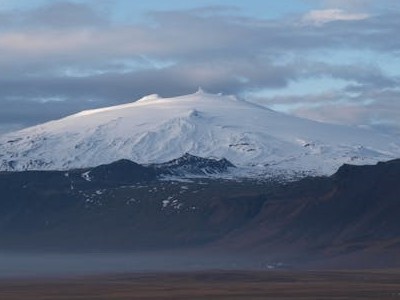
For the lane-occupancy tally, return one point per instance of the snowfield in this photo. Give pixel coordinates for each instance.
(155, 130)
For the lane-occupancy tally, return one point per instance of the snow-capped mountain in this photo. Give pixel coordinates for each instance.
(155, 130)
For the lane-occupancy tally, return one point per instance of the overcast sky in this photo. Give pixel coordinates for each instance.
(330, 60)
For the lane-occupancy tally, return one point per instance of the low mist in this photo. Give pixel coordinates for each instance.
(28, 265)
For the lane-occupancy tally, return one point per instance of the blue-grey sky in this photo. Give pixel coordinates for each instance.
(329, 60)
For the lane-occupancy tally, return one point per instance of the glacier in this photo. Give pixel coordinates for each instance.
(152, 130)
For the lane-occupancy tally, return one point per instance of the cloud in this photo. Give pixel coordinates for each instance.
(350, 4)
(358, 5)
(369, 107)
(65, 57)
(320, 17)
(371, 115)
(57, 14)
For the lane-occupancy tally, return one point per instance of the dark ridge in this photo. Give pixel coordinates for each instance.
(121, 171)
(349, 218)
(193, 165)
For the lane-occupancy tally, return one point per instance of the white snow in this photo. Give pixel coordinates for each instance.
(86, 176)
(155, 130)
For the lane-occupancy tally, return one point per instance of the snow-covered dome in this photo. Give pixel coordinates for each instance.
(155, 129)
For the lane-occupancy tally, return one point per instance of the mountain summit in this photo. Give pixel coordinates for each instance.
(156, 130)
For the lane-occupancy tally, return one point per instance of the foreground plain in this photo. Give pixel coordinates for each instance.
(382, 284)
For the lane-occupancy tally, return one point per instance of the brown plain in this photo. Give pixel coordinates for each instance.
(238, 285)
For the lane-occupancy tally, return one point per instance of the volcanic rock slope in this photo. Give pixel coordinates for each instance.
(156, 130)
(351, 217)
